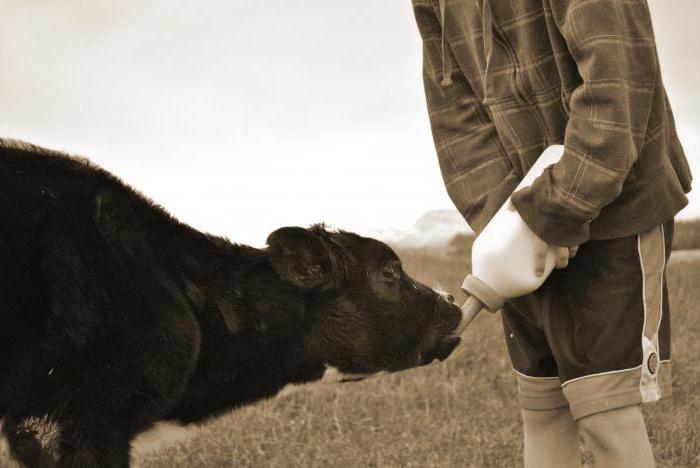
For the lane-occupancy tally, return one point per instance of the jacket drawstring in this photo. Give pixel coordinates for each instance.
(446, 56)
(487, 32)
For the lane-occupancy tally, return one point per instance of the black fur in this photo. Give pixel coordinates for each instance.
(115, 315)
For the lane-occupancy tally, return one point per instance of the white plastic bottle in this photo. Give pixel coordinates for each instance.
(503, 255)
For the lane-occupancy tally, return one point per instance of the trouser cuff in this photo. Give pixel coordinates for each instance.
(540, 393)
(603, 392)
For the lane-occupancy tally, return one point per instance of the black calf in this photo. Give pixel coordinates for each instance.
(115, 315)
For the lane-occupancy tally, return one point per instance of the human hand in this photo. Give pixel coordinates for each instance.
(562, 254)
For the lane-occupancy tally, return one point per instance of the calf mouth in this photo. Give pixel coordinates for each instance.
(441, 351)
(449, 338)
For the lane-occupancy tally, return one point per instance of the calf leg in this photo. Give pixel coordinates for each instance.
(106, 446)
(33, 441)
(73, 423)
(47, 442)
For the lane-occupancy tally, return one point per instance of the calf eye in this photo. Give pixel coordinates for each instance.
(392, 270)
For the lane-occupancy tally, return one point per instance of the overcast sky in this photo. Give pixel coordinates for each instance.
(240, 117)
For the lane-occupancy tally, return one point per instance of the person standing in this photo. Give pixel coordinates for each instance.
(503, 81)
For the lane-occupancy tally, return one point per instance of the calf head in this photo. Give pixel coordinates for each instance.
(368, 315)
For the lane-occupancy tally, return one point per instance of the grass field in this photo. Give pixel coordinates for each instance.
(459, 413)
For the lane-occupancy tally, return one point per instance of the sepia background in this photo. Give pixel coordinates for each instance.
(241, 116)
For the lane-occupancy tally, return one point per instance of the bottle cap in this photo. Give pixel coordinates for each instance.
(482, 291)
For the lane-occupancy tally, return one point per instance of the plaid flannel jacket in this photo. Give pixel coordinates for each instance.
(504, 79)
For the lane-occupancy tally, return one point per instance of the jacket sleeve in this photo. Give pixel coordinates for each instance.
(613, 45)
(474, 166)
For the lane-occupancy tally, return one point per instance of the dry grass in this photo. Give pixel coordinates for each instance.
(460, 413)
(686, 235)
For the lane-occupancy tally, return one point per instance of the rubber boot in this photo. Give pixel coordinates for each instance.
(551, 439)
(618, 438)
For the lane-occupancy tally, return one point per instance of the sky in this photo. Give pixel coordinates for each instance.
(241, 117)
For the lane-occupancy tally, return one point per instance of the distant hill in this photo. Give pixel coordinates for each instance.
(435, 228)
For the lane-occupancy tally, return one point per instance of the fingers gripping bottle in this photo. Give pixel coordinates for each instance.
(504, 256)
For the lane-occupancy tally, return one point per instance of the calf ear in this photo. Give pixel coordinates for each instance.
(300, 257)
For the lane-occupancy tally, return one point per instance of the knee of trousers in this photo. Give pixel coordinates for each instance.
(540, 393)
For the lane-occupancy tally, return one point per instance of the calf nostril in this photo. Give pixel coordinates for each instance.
(450, 298)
